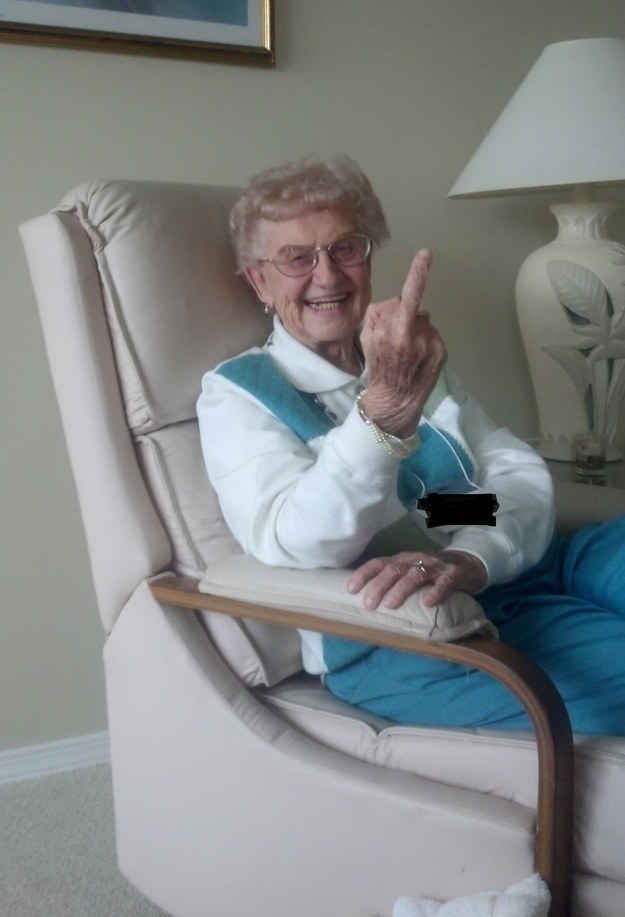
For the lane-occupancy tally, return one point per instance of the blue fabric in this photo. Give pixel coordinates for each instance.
(258, 374)
(567, 613)
(439, 465)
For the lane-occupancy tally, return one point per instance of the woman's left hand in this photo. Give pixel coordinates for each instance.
(393, 579)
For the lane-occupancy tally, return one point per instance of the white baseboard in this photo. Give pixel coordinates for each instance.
(34, 761)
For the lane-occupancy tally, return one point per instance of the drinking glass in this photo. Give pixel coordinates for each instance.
(589, 455)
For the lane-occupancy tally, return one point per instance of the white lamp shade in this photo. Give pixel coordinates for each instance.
(564, 126)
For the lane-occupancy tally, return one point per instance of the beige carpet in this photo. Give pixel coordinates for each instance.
(57, 856)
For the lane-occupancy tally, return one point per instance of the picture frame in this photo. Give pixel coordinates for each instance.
(226, 31)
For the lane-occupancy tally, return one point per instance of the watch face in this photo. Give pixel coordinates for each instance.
(409, 441)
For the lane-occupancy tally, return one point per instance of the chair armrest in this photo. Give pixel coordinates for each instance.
(552, 855)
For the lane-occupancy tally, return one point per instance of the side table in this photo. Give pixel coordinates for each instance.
(565, 471)
(578, 503)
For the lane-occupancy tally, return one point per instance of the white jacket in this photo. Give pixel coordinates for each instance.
(319, 503)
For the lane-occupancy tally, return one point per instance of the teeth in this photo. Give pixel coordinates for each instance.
(323, 306)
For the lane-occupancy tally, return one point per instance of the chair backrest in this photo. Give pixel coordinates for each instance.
(138, 298)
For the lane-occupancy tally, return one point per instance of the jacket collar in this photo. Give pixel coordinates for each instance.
(305, 369)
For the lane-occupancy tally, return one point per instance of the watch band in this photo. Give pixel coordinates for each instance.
(394, 445)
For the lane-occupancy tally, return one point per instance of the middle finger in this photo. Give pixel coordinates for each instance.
(414, 285)
(380, 584)
(414, 578)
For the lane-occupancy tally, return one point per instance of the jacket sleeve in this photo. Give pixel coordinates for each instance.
(508, 467)
(285, 502)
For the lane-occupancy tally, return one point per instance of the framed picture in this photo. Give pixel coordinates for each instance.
(232, 31)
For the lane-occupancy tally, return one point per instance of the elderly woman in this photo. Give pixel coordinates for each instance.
(320, 443)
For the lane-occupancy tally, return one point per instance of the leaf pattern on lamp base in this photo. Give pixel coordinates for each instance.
(596, 364)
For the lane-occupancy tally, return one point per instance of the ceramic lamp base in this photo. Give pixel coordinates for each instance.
(571, 308)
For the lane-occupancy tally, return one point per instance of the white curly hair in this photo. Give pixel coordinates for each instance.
(294, 188)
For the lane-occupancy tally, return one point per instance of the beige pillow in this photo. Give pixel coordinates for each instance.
(174, 302)
(323, 593)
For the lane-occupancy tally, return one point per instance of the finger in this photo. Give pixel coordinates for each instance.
(414, 285)
(412, 557)
(371, 316)
(380, 585)
(371, 324)
(431, 367)
(363, 574)
(443, 586)
(411, 582)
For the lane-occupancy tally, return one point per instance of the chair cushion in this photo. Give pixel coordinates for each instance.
(494, 762)
(175, 308)
(172, 462)
(174, 303)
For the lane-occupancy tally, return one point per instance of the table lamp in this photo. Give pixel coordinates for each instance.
(564, 129)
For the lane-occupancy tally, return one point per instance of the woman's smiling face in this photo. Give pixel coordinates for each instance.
(324, 307)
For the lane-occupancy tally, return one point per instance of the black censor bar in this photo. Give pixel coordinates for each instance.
(459, 509)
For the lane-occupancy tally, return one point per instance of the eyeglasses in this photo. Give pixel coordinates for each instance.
(298, 260)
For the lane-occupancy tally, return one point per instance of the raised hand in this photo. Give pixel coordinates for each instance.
(404, 353)
(392, 580)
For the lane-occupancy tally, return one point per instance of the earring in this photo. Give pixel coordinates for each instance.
(268, 309)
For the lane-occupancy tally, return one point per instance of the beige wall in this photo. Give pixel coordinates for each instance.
(408, 88)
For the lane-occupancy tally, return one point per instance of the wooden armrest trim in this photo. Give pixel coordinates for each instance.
(544, 706)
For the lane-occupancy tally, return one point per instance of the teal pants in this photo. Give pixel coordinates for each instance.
(567, 613)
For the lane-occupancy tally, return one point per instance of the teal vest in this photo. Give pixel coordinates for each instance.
(439, 465)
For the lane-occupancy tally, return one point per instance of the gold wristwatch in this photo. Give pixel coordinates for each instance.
(398, 448)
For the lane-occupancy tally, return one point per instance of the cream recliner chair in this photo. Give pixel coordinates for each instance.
(241, 786)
